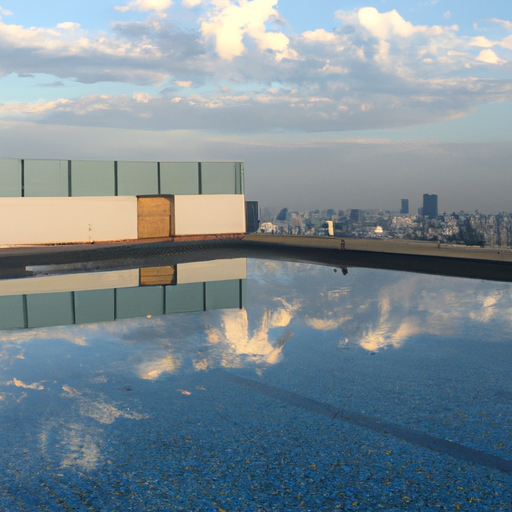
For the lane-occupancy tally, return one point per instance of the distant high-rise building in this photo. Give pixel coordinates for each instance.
(405, 206)
(251, 216)
(354, 215)
(430, 205)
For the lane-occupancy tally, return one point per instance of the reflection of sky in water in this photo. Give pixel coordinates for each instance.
(375, 310)
(72, 385)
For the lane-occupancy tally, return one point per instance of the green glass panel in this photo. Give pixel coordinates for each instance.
(179, 178)
(90, 178)
(137, 302)
(94, 306)
(46, 178)
(137, 178)
(239, 178)
(10, 178)
(218, 178)
(243, 293)
(223, 294)
(11, 312)
(47, 309)
(184, 298)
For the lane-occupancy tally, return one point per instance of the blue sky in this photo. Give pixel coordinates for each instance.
(417, 84)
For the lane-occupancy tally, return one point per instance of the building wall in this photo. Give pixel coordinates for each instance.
(35, 220)
(430, 205)
(208, 214)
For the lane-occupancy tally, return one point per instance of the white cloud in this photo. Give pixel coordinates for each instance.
(68, 25)
(319, 35)
(145, 5)
(388, 24)
(375, 70)
(229, 22)
(4, 12)
(489, 57)
(504, 23)
(191, 3)
(482, 42)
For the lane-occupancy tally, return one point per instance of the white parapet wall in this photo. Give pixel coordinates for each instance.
(47, 220)
(214, 214)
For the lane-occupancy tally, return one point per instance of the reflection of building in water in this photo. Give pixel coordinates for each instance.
(107, 296)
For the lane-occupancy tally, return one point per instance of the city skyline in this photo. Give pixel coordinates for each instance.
(357, 103)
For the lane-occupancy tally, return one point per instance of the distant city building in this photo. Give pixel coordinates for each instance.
(354, 215)
(405, 206)
(268, 227)
(430, 205)
(251, 216)
(420, 210)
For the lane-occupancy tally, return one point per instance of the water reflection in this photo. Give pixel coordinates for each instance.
(48, 300)
(78, 380)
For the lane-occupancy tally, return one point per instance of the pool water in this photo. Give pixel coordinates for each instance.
(375, 390)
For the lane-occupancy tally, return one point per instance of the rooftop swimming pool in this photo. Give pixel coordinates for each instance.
(254, 385)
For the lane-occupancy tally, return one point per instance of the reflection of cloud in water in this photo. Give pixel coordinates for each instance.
(322, 324)
(20, 384)
(97, 408)
(387, 334)
(151, 370)
(229, 342)
(410, 306)
(82, 448)
(68, 333)
(240, 346)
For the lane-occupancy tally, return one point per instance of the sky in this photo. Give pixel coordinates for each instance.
(330, 104)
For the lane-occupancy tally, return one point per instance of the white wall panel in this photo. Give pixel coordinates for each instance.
(31, 220)
(215, 270)
(70, 282)
(209, 214)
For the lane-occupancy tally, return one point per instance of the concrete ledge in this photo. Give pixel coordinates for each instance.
(416, 248)
(417, 257)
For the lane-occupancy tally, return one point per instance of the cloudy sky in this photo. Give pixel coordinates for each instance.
(331, 103)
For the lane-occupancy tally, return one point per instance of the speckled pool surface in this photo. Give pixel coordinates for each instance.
(371, 391)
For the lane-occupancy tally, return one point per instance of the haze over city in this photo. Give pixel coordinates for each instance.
(331, 104)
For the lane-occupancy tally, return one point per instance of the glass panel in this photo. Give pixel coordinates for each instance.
(136, 302)
(218, 178)
(184, 298)
(137, 178)
(47, 309)
(243, 293)
(223, 294)
(46, 178)
(179, 178)
(240, 178)
(92, 178)
(11, 312)
(94, 306)
(10, 178)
